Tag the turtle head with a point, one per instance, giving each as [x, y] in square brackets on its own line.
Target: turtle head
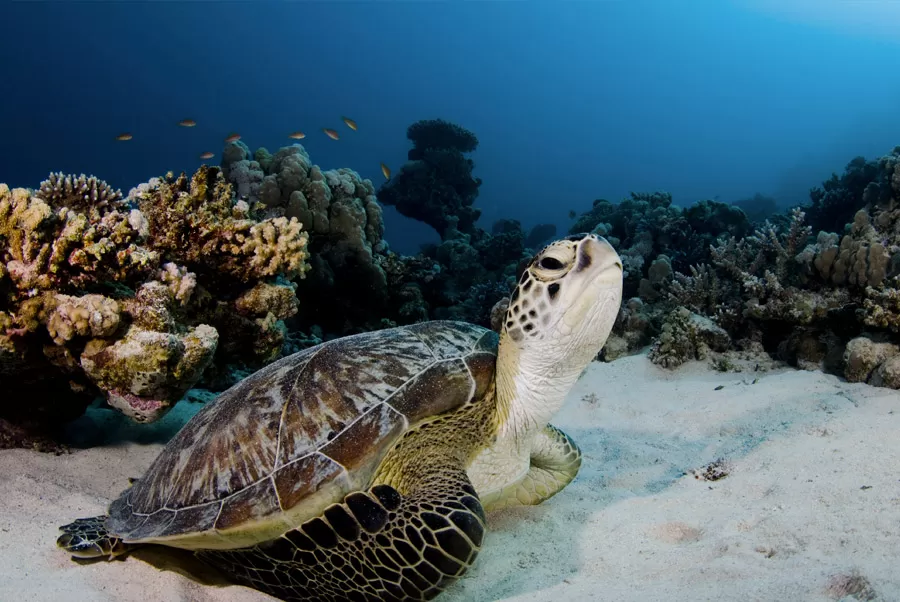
[560, 315]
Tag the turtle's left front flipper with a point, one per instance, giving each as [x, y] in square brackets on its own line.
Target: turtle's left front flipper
[375, 545]
[89, 538]
[555, 461]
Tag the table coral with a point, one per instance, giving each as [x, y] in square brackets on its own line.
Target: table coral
[436, 185]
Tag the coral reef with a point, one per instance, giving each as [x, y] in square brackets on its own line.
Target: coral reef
[343, 220]
[645, 226]
[134, 298]
[196, 280]
[814, 298]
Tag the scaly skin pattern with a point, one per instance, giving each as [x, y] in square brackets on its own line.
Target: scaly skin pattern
[554, 463]
[407, 538]
[353, 471]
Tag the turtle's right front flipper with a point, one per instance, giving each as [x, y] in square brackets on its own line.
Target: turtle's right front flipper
[89, 538]
[555, 460]
[375, 545]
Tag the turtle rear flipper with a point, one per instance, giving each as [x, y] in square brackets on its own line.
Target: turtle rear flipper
[376, 545]
[89, 538]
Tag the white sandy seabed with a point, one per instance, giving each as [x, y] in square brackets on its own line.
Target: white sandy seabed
[810, 509]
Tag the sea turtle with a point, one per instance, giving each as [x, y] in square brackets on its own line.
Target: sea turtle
[361, 468]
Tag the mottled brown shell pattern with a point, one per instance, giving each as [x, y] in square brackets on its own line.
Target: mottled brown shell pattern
[330, 411]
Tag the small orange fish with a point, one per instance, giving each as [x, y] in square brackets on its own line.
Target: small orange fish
[386, 171]
[297, 135]
[350, 123]
[207, 155]
[232, 138]
[330, 133]
[123, 137]
[187, 123]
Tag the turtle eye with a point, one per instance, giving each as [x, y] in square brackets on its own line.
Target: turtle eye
[551, 263]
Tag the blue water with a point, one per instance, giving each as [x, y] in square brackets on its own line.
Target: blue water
[571, 101]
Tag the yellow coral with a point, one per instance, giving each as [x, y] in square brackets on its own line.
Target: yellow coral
[264, 298]
[278, 246]
[859, 260]
[90, 315]
[882, 307]
[63, 249]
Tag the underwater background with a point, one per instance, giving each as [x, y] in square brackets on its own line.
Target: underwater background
[571, 101]
[193, 191]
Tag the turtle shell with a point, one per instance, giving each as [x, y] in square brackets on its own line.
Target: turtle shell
[298, 435]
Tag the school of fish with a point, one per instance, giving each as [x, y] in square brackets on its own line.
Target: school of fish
[234, 137]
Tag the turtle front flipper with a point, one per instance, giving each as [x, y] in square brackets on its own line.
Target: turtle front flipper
[555, 460]
[375, 545]
[89, 538]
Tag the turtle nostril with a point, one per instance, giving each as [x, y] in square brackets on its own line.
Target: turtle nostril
[584, 259]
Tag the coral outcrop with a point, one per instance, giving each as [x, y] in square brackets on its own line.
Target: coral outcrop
[687, 336]
[436, 185]
[135, 298]
[822, 299]
[343, 220]
[645, 226]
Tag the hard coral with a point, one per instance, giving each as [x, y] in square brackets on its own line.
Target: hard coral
[436, 186]
[195, 223]
[645, 226]
[437, 133]
[145, 372]
[881, 307]
[42, 248]
[863, 356]
[82, 193]
[687, 336]
[98, 296]
[87, 316]
[801, 300]
[860, 259]
[344, 222]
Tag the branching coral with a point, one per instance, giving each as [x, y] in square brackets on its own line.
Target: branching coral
[82, 193]
[881, 307]
[687, 336]
[64, 250]
[99, 296]
[803, 300]
[698, 292]
[645, 226]
[195, 223]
